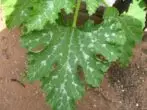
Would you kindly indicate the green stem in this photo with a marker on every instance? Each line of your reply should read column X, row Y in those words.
column 76, row 13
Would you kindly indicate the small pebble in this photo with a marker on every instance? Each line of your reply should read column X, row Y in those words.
column 123, row 90
column 137, row 104
column 94, row 105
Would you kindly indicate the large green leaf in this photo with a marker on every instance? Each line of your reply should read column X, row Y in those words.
column 137, row 11
column 65, row 49
column 8, row 6
column 36, row 13
column 92, row 5
column 131, row 27
column 20, row 12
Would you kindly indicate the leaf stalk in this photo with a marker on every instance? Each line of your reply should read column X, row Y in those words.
column 76, row 13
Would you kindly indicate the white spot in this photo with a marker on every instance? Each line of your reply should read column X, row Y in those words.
column 61, row 54
column 55, row 47
column 76, row 59
column 121, row 36
column 43, row 63
column 103, row 45
column 97, row 63
column 90, row 69
column 106, row 35
column 101, row 28
column 30, row 41
column 51, row 34
column 86, row 57
column 112, row 26
column 111, row 53
column 69, row 68
column 91, row 45
column 44, row 34
column 65, row 80
column 39, row 20
column 73, row 83
column 95, row 32
column 47, row 42
column 109, row 20
column 113, row 34
column 48, row 56
column 93, row 41
column 68, row 98
column 37, row 40
column 22, row 12
column 90, row 34
column 50, row 4
column 62, row 86
column 54, row 77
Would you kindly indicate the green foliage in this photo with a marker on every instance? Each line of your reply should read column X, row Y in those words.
column 92, row 5
column 56, row 52
column 137, row 11
column 8, row 6
column 34, row 14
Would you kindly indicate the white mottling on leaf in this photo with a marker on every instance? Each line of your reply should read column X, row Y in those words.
column 86, row 57
column 44, row 34
column 68, row 98
column 47, row 42
column 104, row 45
column 54, row 77
column 69, row 68
column 48, row 56
column 101, row 28
column 91, row 45
column 76, row 59
column 51, row 34
column 89, row 34
column 93, row 41
column 90, row 69
column 61, row 54
column 55, row 47
column 106, row 35
column 113, row 34
column 43, row 62
column 50, row 5
column 37, row 40
column 73, row 83
column 111, row 53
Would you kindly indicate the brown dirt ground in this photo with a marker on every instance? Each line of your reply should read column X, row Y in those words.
column 122, row 89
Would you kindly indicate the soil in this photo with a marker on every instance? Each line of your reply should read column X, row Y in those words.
column 121, row 89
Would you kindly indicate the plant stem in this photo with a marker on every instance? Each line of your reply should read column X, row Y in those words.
column 76, row 13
